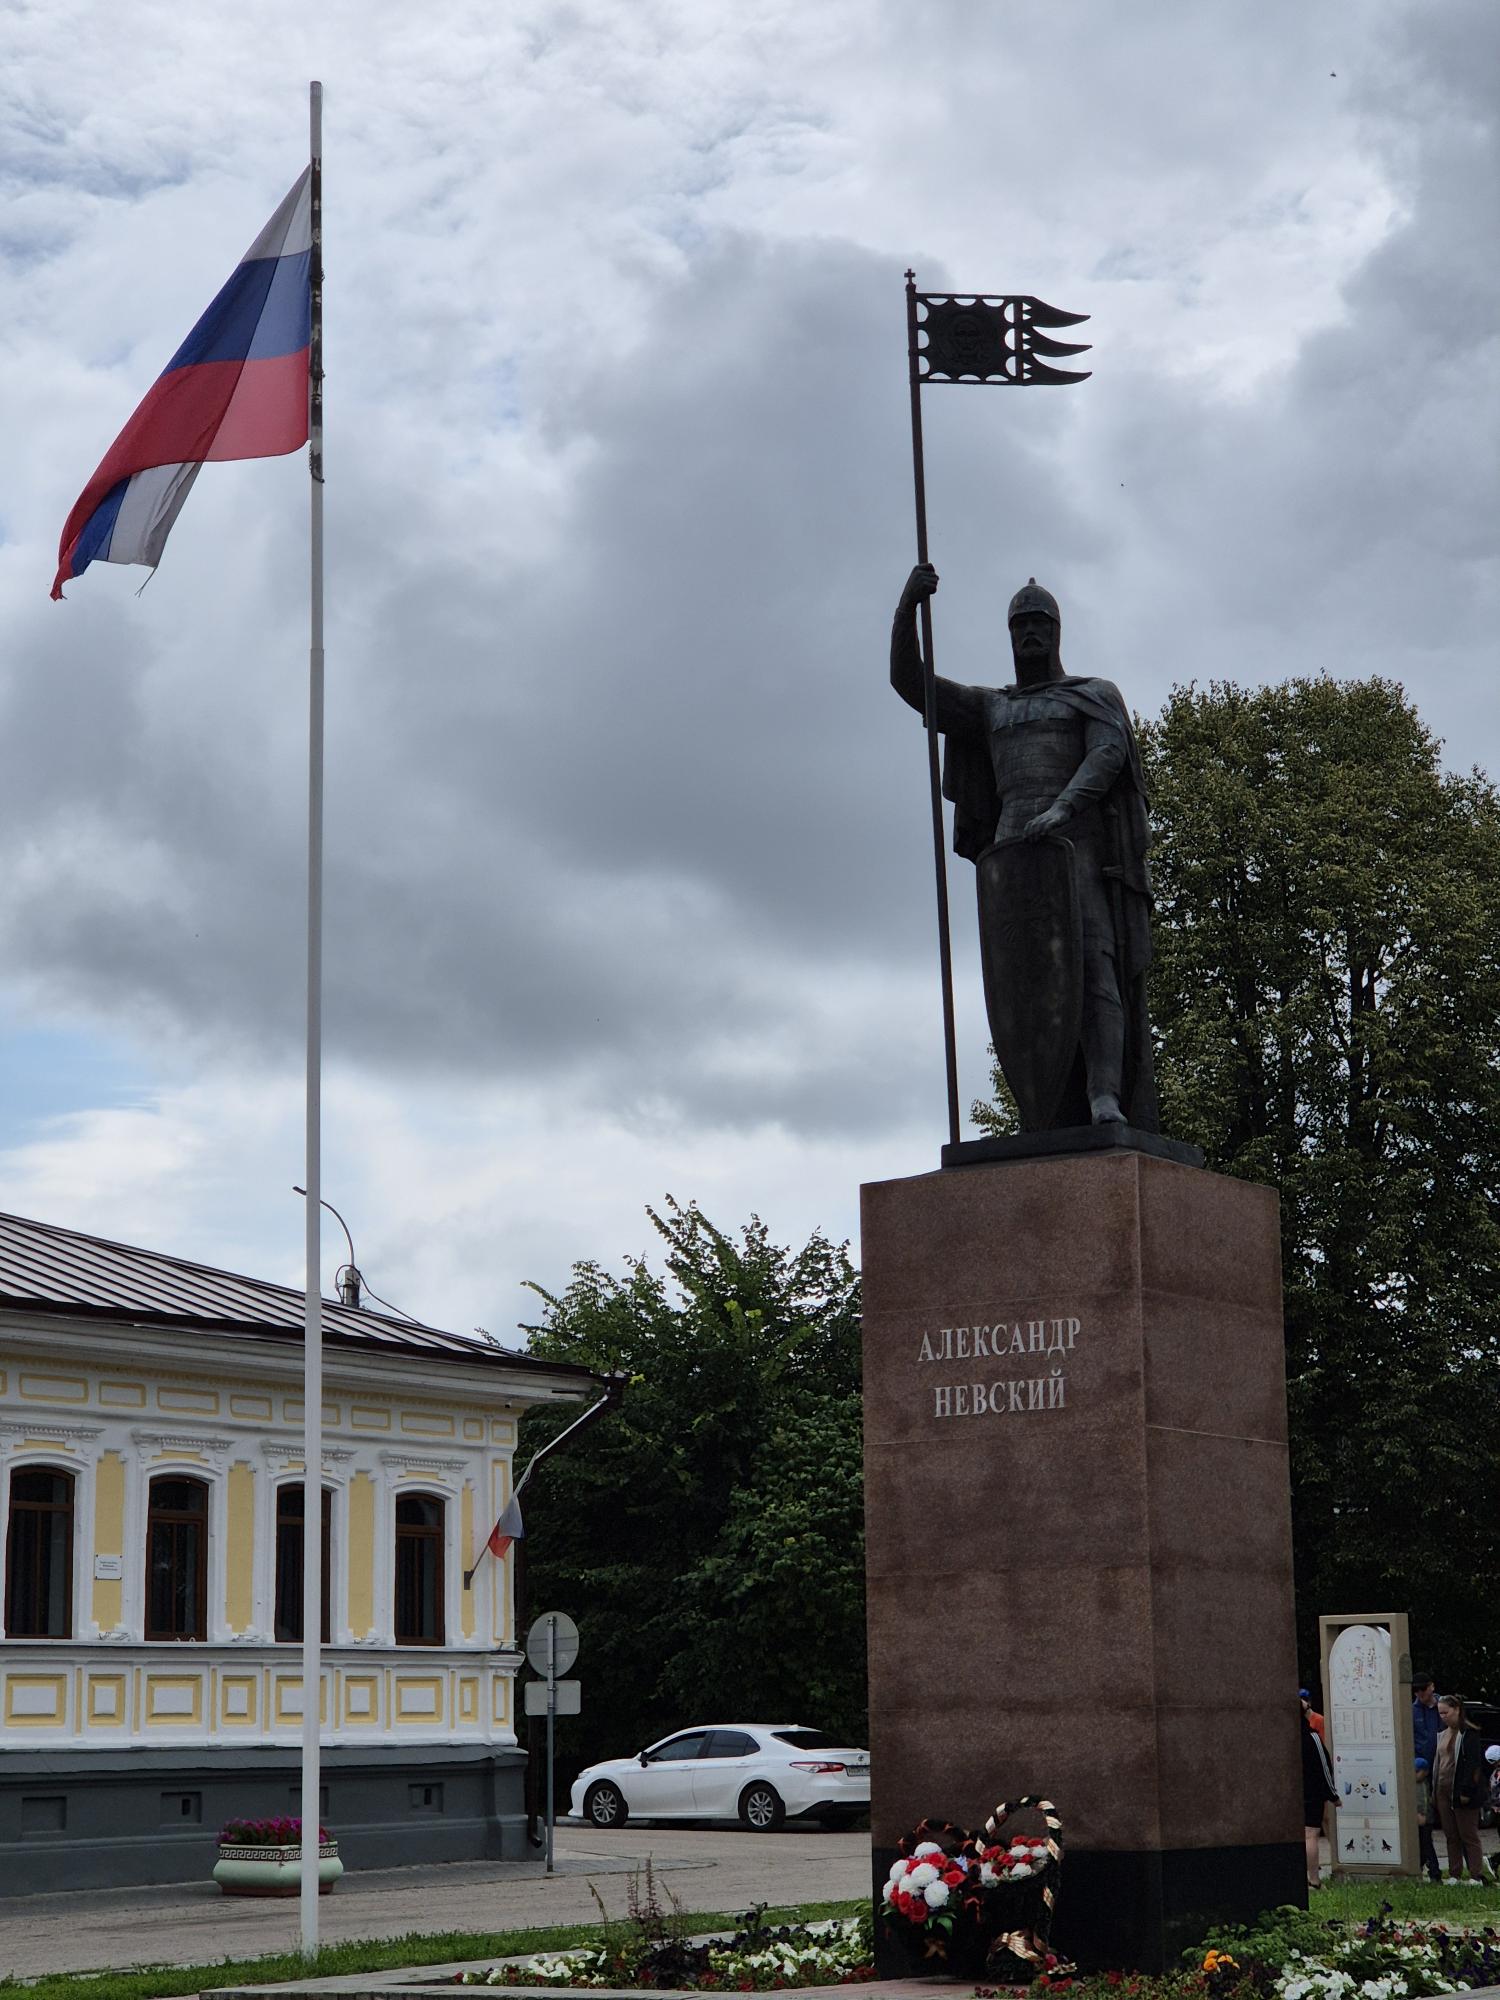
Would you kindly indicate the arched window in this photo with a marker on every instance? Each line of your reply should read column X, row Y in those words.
column 419, row 1570
column 177, row 1559
column 39, row 1554
column 289, row 1529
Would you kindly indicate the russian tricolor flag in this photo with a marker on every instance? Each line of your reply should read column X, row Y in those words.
column 507, row 1529
column 236, row 388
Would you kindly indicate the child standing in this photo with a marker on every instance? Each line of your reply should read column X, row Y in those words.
column 1425, row 1848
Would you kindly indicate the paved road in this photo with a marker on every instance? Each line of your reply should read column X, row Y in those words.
column 193, row 1924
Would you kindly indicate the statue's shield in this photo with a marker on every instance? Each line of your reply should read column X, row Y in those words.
column 1031, row 948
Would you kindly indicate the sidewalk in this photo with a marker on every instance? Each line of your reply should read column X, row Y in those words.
column 193, row 1924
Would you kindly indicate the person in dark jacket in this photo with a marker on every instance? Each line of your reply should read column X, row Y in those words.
column 1424, row 1718
column 1459, row 1780
column 1317, row 1795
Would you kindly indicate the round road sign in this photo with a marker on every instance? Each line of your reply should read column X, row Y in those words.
column 567, row 1642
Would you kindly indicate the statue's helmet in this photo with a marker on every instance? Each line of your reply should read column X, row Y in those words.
column 1032, row 597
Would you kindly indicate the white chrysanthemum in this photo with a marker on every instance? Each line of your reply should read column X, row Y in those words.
column 921, row 1877
column 1021, row 1870
column 935, row 1895
column 987, row 1874
column 927, row 1847
column 898, row 1869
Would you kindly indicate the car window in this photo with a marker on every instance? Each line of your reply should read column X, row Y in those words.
column 678, row 1747
column 807, row 1739
column 729, row 1743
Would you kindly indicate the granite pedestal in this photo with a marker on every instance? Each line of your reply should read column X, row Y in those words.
column 1079, row 1532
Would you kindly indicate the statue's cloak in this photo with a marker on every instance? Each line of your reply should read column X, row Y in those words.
column 969, row 782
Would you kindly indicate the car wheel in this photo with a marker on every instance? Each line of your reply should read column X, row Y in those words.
column 761, row 1808
column 604, row 1806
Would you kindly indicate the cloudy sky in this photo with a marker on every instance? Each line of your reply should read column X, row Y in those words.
column 629, row 875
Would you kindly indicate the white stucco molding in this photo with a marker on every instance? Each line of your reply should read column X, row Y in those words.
column 275, row 1448
column 416, row 1461
column 182, row 1445
column 33, row 1428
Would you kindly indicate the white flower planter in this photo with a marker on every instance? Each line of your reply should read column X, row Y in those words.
column 273, row 1871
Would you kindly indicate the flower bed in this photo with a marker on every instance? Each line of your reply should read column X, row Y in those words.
column 653, row 1950
column 1293, row 1955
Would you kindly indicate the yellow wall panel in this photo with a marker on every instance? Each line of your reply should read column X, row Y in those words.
column 238, row 1700
column 365, row 1417
column 109, row 1535
column 468, row 1699
column 427, row 1424
column 53, row 1388
column 189, row 1402
column 287, row 1701
column 291, row 1412
column 474, row 1429
column 173, row 1701
column 254, row 1409
column 106, row 1701
column 122, row 1395
column 361, row 1701
column 36, row 1701
column 239, row 1580
column 361, row 1555
column 419, row 1700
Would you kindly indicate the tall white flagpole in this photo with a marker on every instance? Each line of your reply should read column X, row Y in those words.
column 312, row 1329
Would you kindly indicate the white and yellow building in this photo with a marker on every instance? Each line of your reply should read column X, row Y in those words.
column 151, row 1495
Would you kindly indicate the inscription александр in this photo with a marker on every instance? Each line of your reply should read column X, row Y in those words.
column 1005, row 1393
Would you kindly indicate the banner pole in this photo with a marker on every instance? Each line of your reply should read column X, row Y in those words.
column 312, row 1329
column 929, row 710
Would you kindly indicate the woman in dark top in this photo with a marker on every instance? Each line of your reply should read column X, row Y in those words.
column 1458, row 1787
column 1317, row 1795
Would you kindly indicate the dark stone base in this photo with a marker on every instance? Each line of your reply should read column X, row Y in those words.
column 1071, row 1139
column 1139, row 1912
column 122, row 1819
column 1143, row 1911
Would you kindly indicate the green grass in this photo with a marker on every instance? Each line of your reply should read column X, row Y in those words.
column 361, row 1955
column 1407, row 1897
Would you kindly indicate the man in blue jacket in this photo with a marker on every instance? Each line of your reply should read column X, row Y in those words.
column 1425, row 1727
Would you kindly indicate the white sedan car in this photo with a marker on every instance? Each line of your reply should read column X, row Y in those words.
column 759, row 1773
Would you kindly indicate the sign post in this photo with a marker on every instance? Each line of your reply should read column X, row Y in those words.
column 551, row 1648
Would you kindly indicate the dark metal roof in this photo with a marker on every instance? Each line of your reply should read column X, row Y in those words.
column 62, row 1273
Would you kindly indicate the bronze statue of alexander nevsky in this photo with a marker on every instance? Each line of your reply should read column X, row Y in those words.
column 1050, row 805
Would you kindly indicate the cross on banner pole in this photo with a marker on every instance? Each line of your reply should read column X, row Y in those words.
column 984, row 338
column 312, row 1325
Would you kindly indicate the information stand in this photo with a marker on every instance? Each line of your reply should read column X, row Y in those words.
column 1366, row 1661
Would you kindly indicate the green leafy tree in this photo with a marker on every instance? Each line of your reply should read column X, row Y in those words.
column 1326, row 998
column 709, row 1535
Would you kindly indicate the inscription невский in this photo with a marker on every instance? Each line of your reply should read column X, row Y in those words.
column 973, row 1343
